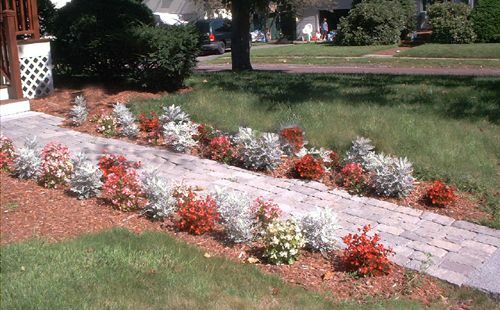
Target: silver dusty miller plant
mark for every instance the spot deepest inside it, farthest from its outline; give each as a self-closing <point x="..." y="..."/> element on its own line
<point x="259" y="152"/>
<point x="360" y="149"/>
<point x="179" y="136"/>
<point x="79" y="111"/>
<point x="390" y="176"/>
<point x="28" y="160"/>
<point x="126" y="120"/>
<point x="174" y="114"/>
<point x="159" y="193"/>
<point x="235" y="215"/>
<point x="320" y="230"/>
<point x="86" y="179"/>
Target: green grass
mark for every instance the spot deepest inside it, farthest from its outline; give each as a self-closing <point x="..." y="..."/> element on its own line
<point x="447" y="126"/>
<point x="478" y="50"/>
<point x="120" y="270"/>
<point x="392" y="62"/>
<point x="318" y="49"/>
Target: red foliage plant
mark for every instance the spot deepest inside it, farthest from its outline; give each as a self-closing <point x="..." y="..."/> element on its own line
<point x="309" y="167"/>
<point x="7" y="153"/>
<point x="220" y="149"/>
<point x="197" y="216"/>
<point x="294" y="136"/>
<point x="352" y="177"/>
<point x="440" y="194"/>
<point x="266" y="211"/>
<point x="365" y="255"/>
<point x="115" y="164"/>
<point x="150" y="125"/>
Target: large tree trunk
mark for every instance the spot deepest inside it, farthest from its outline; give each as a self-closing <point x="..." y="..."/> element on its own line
<point x="240" y="39"/>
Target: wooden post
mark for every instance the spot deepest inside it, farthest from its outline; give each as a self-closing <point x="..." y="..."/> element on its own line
<point x="35" y="23"/>
<point x="15" y="69"/>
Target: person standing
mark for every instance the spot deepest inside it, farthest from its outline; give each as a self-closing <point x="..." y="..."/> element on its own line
<point x="324" y="29"/>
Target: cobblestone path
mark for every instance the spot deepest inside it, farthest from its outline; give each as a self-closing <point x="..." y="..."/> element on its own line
<point x="455" y="251"/>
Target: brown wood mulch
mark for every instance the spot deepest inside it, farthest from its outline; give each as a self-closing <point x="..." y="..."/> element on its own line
<point x="29" y="210"/>
<point x="101" y="99"/>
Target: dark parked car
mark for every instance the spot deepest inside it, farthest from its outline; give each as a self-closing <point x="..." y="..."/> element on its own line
<point x="215" y="34"/>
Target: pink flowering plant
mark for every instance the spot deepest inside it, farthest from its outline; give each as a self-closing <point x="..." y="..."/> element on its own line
<point x="266" y="211"/>
<point x="56" y="167"/>
<point x="124" y="190"/>
<point x="7" y="153"/>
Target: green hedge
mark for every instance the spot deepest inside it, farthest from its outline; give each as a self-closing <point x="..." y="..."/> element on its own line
<point x="486" y="20"/>
<point x="450" y="23"/>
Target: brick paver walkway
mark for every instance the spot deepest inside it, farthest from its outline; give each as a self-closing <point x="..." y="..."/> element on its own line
<point x="456" y="251"/>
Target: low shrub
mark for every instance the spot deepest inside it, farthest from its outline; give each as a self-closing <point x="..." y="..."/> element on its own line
<point x="360" y="149"/>
<point x="179" y="136"/>
<point x="352" y="177"/>
<point x="320" y="230"/>
<point x="86" y="179"/>
<point x="365" y="255"/>
<point x="235" y="215"/>
<point x="292" y="139"/>
<point x="450" y="23"/>
<point x="486" y="20"/>
<point x="161" y="202"/>
<point x="56" y="166"/>
<point x="196" y="216"/>
<point x="309" y="167"/>
<point x="374" y="22"/>
<point x="151" y="126"/>
<point x="174" y="114"/>
<point x="124" y="190"/>
<point x="259" y="151"/>
<point x="116" y="164"/>
<point x="440" y="194"/>
<point x="79" y="111"/>
<point x="265" y="211"/>
<point x="126" y="120"/>
<point x="282" y="242"/>
<point x="221" y="149"/>
<point x="390" y="176"/>
<point x="27" y="162"/>
<point x="107" y="125"/>
<point x="7" y="153"/>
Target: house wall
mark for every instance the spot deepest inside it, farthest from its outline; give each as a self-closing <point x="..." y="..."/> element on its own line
<point x="310" y="15"/>
<point x="188" y="9"/>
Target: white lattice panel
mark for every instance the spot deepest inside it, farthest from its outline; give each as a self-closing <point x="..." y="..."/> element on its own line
<point x="36" y="69"/>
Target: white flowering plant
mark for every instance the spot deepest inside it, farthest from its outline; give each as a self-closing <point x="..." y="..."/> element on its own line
<point x="320" y="230"/>
<point x="86" y="179"/>
<point x="27" y="161"/>
<point x="106" y="124"/>
<point x="283" y="241"/>
<point x="161" y="201"/>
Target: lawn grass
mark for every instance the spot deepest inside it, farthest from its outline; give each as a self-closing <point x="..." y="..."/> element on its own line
<point x="477" y="50"/>
<point x="447" y="126"/>
<point x="120" y="270"/>
<point x="392" y="61"/>
<point x="318" y="49"/>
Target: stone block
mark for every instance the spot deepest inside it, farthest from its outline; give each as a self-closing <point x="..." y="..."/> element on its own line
<point x="443" y="244"/>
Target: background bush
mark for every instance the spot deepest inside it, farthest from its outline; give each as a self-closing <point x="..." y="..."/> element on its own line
<point x="46" y="16"/>
<point x="93" y="36"/>
<point x="373" y="22"/>
<point x="450" y="23"/>
<point x="486" y="20"/>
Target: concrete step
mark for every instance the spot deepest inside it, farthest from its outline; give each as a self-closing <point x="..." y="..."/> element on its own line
<point x="4" y="92"/>
<point x="13" y="106"/>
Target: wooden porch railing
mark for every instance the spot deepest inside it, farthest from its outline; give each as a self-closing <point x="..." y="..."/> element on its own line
<point x="26" y="17"/>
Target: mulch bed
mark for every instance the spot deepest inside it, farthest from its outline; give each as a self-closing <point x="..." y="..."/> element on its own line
<point x="29" y="210"/>
<point x="101" y="100"/>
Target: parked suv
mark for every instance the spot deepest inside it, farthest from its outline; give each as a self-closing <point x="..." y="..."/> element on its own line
<point x="215" y="34"/>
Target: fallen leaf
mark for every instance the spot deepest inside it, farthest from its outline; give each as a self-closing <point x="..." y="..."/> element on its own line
<point x="207" y="255"/>
<point x="327" y="276"/>
<point x="253" y="260"/>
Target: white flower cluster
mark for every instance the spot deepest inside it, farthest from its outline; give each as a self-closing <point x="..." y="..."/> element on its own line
<point x="360" y="149"/>
<point x="159" y="193"/>
<point x="28" y="160"/>
<point x="259" y="152"/>
<point x="126" y="120"/>
<point x="283" y="241"/>
<point x="79" y="111"/>
<point x="86" y="179"/>
<point x="320" y="230"/>
<point x="178" y="130"/>
<point x="236" y="215"/>
<point x="390" y="176"/>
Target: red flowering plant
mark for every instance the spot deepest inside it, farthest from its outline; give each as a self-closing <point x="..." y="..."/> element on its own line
<point x="205" y="134"/>
<point x="265" y="211"/>
<point x="365" y="255"/>
<point x="150" y="125"/>
<point x="440" y="194"/>
<point x="352" y="177"/>
<point x="293" y="137"/>
<point x="220" y="149"/>
<point x="333" y="161"/>
<point x="308" y="167"/>
<point x="7" y="153"/>
<point x="123" y="189"/>
<point x="115" y="164"/>
<point x="56" y="167"/>
<point x="196" y="216"/>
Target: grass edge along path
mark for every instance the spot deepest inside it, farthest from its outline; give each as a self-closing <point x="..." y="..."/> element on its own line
<point x="119" y="269"/>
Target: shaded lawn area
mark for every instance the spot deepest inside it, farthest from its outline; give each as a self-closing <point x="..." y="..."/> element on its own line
<point x="120" y="270"/>
<point x="319" y="49"/>
<point x="447" y="126"/>
<point x="392" y="62"/>
<point x="477" y="50"/>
